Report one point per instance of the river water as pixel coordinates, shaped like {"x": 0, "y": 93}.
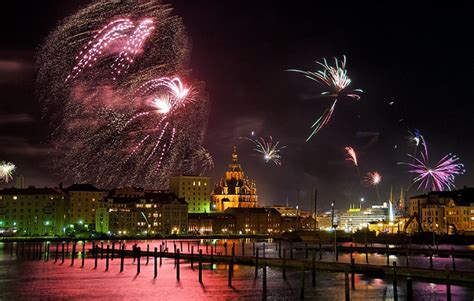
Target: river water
{"x": 40, "y": 280}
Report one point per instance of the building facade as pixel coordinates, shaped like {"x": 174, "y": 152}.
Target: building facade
{"x": 234, "y": 190}
{"x": 33, "y": 211}
{"x": 82, "y": 202}
{"x": 195, "y": 190}
{"x": 211, "y": 223}
{"x": 256, "y": 220}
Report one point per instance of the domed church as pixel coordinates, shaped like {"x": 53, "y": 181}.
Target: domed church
{"x": 234, "y": 190}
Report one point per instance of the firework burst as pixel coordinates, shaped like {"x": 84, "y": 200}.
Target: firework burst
{"x": 269, "y": 150}
{"x": 6, "y": 171}
{"x": 351, "y": 155}
{"x": 373, "y": 179}
{"x": 336, "y": 80}
{"x": 439, "y": 176}
{"x": 114, "y": 83}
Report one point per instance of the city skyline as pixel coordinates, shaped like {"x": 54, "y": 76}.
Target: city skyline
{"x": 271, "y": 102}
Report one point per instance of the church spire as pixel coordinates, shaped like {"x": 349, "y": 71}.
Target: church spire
{"x": 234, "y": 156}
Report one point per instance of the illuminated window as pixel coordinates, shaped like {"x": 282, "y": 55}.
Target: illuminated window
{"x": 15, "y": 197}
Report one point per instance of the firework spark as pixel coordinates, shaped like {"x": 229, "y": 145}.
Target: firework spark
{"x": 352, "y": 155}
{"x": 336, "y": 80}
{"x": 373, "y": 178}
{"x": 6, "y": 171}
{"x": 439, "y": 176}
{"x": 114, "y": 83}
{"x": 415, "y": 137}
{"x": 270, "y": 151}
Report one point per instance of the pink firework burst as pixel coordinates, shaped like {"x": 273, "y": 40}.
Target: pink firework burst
{"x": 122, "y": 36}
{"x": 439, "y": 176}
{"x": 351, "y": 155}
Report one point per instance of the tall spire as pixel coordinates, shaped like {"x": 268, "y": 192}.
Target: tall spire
{"x": 234, "y": 156}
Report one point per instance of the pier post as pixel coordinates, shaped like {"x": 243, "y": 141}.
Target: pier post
{"x": 188, "y": 246}
{"x": 101, "y": 250}
{"x": 40, "y": 253}
{"x": 431, "y": 258}
{"x": 96, "y": 256}
{"x": 192, "y": 257}
{"x": 448, "y": 285}
{"x": 352, "y": 274}
{"x": 253, "y": 248}
{"x": 336, "y": 249}
{"x": 177, "y": 264}
{"x": 264, "y": 284}
{"x": 212, "y": 257}
{"x": 155, "y": 262}
{"x": 139, "y": 253}
{"x": 147, "y": 252}
{"x": 409, "y": 289}
{"x": 161, "y": 255}
{"x": 407, "y": 256}
{"x": 83, "y": 253}
{"x": 279, "y": 249}
{"x": 200, "y": 266}
{"x": 47, "y": 251}
{"x": 62, "y": 253}
{"x": 284, "y": 264}
{"x": 320, "y": 250}
{"x": 291, "y": 249}
{"x": 388, "y": 255}
{"x": 73, "y": 253}
{"x": 112, "y": 255}
{"x": 181, "y": 245}
{"x": 256, "y": 263}
{"x": 225, "y": 248}
{"x": 122, "y": 257}
{"x": 56, "y": 254}
{"x": 350, "y": 250}
{"x": 263, "y": 251}
{"x": 313, "y": 269}
{"x": 243, "y": 247}
{"x": 395, "y": 290}
{"x": 302, "y": 283}
{"x": 107, "y": 258}
{"x": 346, "y": 285}
{"x": 452, "y": 257}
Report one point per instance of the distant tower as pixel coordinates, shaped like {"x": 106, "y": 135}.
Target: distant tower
{"x": 401, "y": 202}
{"x": 20, "y": 182}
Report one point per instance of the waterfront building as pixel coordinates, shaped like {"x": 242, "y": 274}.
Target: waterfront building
{"x": 135, "y": 211}
{"x": 286, "y": 210}
{"x": 442, "y": 212}
{"x": 256, "y": 220}
{"x": 325, "y": 221}
{"x": 211, "y": 223}
{"x": 82, "y": 203}
{"x": 32, "y": 211}
{"x": 235, "y": 190}
{"x": 195, "y": 190}
{"x": 357, "y": 218}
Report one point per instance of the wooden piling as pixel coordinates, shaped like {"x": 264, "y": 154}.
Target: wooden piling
{"x": 192, "y": 257}
{"x": 263, "y": 250}
{"x": 62, "y": 253}
{"x": 387, "y": 253}
{"x": 352, "y": 274}
{"x": 336, "y": 249}
{"x": 409, "y": 289}
{"x": 56, "y": 254}
{"x": 177, "y": 264}
{"x": 302, "y": 283}
{"x": 112, "y": 255}
{"x": 83, "y": 253}
{"x": 122, "y": 257}
{"x": 107, "y": 255}
{"x": 279, "y": 249}
{"x": 147, "y": 252}
{"x": 395, "y": 290}
{"x": 155, "y": 263}
{"x": 48, "y": 245}
{"x": 407, "y": 258}
{"x": 139, "y": 253}
{"x": 313, "y": 269}
{"x": 73, "y": 253}
{"x": 96, "y": 256}
{"x": 200, "y": 266}
{"x": 40, "y": 252}
{"x": 453, "y": 259}
{"x": 101, "y": 250}
{"x": 212, "y": 258}
{"x": 448, "y": 285}
{"x": 253, "y": 249}
{"x": 256, "y": 263}
{"x": 320, "y": 251}
{"x": 346, "y": 285}
{"x": 264, "y": 284}
{"x": 243, "y": 247}
{"x": 161, "y": 255}
{"x": 207, "y": 247}
{"x": 431, "y": 258}
{"x": 284, "y": 264}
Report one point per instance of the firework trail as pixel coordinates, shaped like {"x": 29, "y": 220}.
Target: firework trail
{"x": 6, "y": 171}
{"x": 114, "y": 83}
{"x": 269, "y": 151}
{"x": 437, "y": 177}
{"x": 373, "y": 179}
{"x": 351, "y": 155}
{"x": 336, "y": 80}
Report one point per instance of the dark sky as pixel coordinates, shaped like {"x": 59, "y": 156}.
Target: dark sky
{"x": 417, "y": 55}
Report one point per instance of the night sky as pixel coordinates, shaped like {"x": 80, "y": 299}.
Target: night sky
{"x": 418, "y": 56}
